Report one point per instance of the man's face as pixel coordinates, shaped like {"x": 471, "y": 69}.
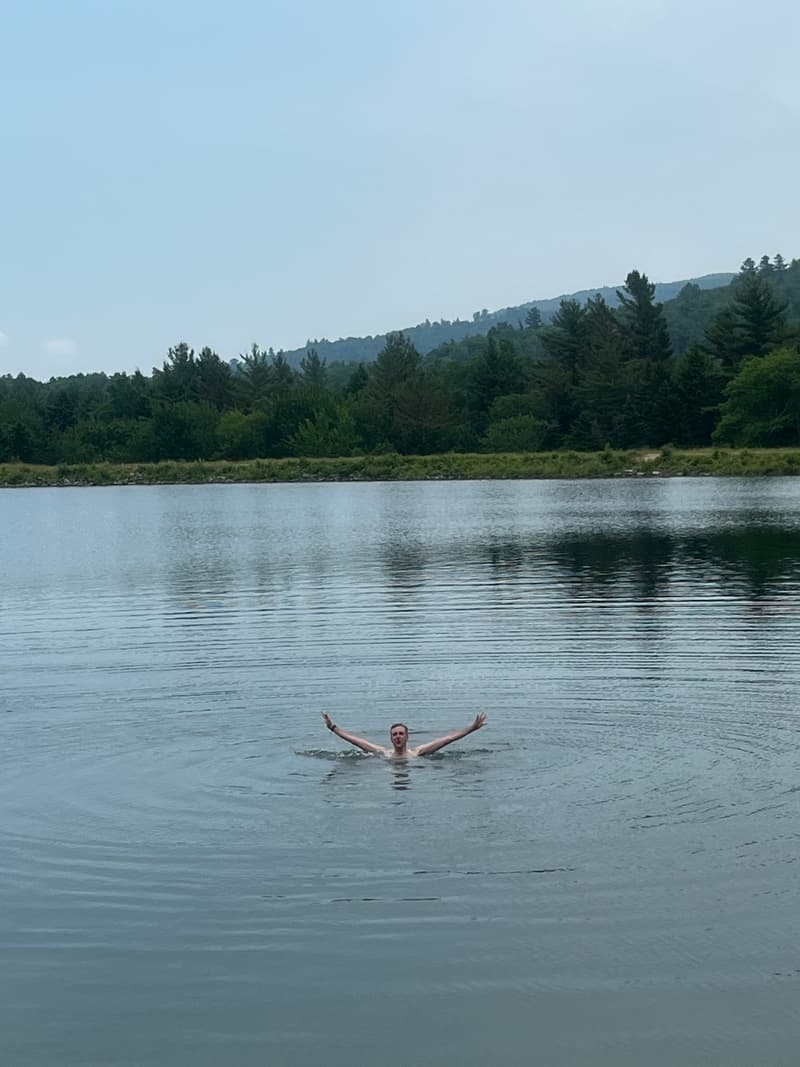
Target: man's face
{"x": 399, "y": 736}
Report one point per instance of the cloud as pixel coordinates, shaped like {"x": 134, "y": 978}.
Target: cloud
{"x": 3, "y": 339}
{"x": 60, "y": 346}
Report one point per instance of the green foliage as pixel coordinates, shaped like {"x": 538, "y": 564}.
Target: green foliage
{"x": 698, "y": 382}
{"x": 184, "y": 430}
{"x": 760, "y": 317}
{"x": 241, "y": 435}
{"x": 327, "y": 435}
{"x": 762, "y": 405}
{"x": 391, "y": 466}
{"x": 643, "y": 322}
{"x": 577, "y": 374}
{"x": 721, "y": 340}
{"x": 518, "y": 433}
{"x": 495, "y": 372}
{"x": 313, "y": 370}
{"x": 255, "y": 374}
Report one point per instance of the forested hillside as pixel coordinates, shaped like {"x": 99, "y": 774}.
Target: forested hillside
{"x": 711, "y": 365}
{"x": 426, "y": 336}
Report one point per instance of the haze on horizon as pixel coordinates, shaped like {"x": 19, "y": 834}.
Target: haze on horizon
{"x": 247, "y": 171}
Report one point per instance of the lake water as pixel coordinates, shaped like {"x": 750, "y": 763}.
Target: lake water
{"x": 194, "y": 872}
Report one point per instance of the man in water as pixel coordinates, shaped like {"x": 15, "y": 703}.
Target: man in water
{"x": 398, "y": 733}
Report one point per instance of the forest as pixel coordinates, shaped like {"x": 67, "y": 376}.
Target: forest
{"x": 714, "y": 366}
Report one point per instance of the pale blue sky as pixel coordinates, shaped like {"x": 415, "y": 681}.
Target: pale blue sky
{"x": 233, "y": 172}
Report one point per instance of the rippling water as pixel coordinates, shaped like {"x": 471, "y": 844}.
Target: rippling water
{"x": 195, "y": 872}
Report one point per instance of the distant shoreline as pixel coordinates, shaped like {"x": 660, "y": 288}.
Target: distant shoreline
{"x": 452, "y": 466}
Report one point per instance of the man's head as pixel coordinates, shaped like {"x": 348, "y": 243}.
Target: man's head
{"x": 398, "y": 732}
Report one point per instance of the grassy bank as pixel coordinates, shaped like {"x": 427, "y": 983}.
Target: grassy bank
{"x": 392, "y": 467}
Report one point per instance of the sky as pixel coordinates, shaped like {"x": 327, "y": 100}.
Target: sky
{"x": 265, "y": 171}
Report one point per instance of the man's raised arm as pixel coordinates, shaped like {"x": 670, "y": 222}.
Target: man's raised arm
{"x": 440, "y": 742}
{"x": 359, "y": 742}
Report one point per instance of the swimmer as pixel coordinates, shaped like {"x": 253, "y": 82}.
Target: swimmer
{"x": 398, "y": 733}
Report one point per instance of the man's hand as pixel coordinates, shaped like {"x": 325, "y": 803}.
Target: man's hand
{"x": 440, "y": 742}
{"x": 359, "y": 742}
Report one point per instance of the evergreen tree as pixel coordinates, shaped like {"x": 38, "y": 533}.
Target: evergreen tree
{"x": 255, "y": 368}
{"x": 129, "y": 396}
{"x": 282, "y": 374}
{"x": 393, "y": 378}
{"x": 721, "y": 339}
{"x": 760, "y": 318}
{"x": 495, "y": 372}
{"x": 698, "y": 383}
{"x": 533, "y": 319}
{"x": 177, "y": 378}
{"x": 601, "y": 327}
{"x": 565, "y": 343}
{"x": 601, "y": 392}
{"x": 422, "y": 421}
{"x": 565, "y": 340}
{"x": 313, "y": 370}
{"x": 358, "y": 380}
{"x": 397, "y": 362}
{"x": 22, "y": 443}
{"x": 184, "y": 430}
{"x": 60, "y": 409}
{"x": 649, "y": 409}
{"x": 213, "y": 380}
{"x": 643, "y": 322}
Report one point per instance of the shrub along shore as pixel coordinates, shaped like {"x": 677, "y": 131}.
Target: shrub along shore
{"x": 666, "y": 462}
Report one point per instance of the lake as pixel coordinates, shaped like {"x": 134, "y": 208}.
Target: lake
{"x": 195, "y": 871}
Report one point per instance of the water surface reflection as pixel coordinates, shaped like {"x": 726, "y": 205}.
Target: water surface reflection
{"x": 195, "y": 870}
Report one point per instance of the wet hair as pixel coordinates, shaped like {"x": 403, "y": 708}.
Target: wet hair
{"x": 396, "y": 724}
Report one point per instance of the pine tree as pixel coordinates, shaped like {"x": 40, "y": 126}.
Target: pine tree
{"x": 397, "y": 362}
{"x": 760, "y": 317}
{"x": 255, "y": 370}
{"x": 650, "y": 402}
{"x": 643, "y": 321}
{"x": 601, "y": 327}
{"x": 214, "y": 381}
{"x": 177, "y": 379}
{"x": 722, "y": 340}
{"x": 282, "y": 374}
{"x": 565, "y": 340}
{"x": 313, "y": 370}
{"x": 533, "y": 319}
{"x": 600, "y": 393}
{"x": 698, "y": 383}
{"x": 358, "y": 380}
{"x": 495, "y": 372}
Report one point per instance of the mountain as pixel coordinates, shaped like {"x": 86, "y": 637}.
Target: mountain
{"x": 429, "y": 335}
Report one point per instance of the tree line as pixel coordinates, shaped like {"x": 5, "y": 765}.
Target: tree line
{"x": 719, "y": 366}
